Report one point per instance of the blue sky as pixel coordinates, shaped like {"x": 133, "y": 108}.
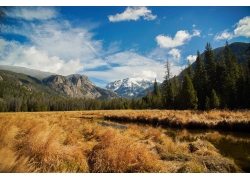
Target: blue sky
{"x": 109, "y": 43}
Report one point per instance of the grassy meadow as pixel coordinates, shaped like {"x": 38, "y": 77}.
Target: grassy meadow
{"x": 83, "y": 142}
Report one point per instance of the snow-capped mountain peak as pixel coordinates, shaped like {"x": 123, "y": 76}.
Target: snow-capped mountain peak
{"x": 114, "y": 85}
{"x": 130, "y": 87}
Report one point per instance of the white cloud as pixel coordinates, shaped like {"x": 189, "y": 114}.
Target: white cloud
{"x": 175, "y": 53}
{"x": 54, "y": 46}
{"x": 129, "y": 58}
{"x": 133, "y": 13}
{"x": 223, "y": 35}
{"x": 32, "y": 13}
{"x": 243, "y": 27}
{"x": 147, "y": 74}
{"x": 191, "y": 58}
{"x": 73, "y": 46}
{"x": 13, "y": 53}
{"x": 196, "y": 32}
{"x": 180, "y": 38}
{"x": 66, "y": 42}
{"x": 121, "y": 72}
{"x": 131, "y": 64}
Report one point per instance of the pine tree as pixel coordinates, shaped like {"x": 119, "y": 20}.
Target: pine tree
{"x": 170, "y": 97}
{"x": 200, "y": 81}
{"x": 207, "y": 103}
{"x": 189, "y": 99}
{"x": 220, "y": 84}
{"x": 210, "y": 67}
{"x": 156, "y": 91}
{"x": 214, "y": 100}
{"x": 190, "y": 70}
{"x": 231, "y": 78}
{"x": 166, "y": 85}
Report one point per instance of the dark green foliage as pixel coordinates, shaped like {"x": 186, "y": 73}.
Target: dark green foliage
{"x": 188, "y": 95}
{"x": 213, "y": 102}
{"x": 190, "y": 70}
{"x": 200, "y": 81}
{"x": 210, "y": 67}
{"x": 217, "y": 84}
{"x": 156, "y": 90}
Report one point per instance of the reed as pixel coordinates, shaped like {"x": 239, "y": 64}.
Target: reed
{"x": 215, "y": 119}
{"x": 74, "y": 141}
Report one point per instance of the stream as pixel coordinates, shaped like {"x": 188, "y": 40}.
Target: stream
{"x": 234, "y": 145}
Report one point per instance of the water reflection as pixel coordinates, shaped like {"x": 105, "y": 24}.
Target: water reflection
{"x": 234, "y": 145}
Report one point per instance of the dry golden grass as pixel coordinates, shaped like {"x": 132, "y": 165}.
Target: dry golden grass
{"x": 76, "y": 142}
{"x": 215, "y": 119}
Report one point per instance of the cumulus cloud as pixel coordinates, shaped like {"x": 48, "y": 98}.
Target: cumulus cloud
{"x": 53, "y": 46}
{"x": 191, "y": 58}
{"x": 196, "y": 32}
{"x": 32, "y": 13}
{"x": 175, "y": 53}
{"x": 128, "y": 64}
{"x": 223, "y": 35}
{"x": 133, "y": 13}
{"x": 243, "y": 27}
{"x": 147, "y": 74}
{"x": 13, "y": 53}
{"x": 180, "y": 38}
{"x": 129, "y": 58}
{"x": 121, "y": 72}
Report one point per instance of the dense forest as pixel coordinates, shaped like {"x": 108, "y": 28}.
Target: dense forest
{"x": 220, "y": 82}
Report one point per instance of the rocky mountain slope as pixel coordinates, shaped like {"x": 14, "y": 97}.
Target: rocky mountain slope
{"x": 130, "y": 87}
{"x": 72, "y": 86}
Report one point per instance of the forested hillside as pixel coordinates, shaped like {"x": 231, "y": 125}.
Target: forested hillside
{"x": 216, "y": 82}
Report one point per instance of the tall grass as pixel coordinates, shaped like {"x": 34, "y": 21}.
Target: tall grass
{"x": 215, "y": 119}
{"x": 76, "y": 142}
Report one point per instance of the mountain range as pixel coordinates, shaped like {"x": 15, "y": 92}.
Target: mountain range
{"x": 131, "y": 87}
{"x": 79, "y": 86}
{"x": 72, "y": 86}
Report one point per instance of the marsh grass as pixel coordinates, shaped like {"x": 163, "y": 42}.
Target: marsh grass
{"x": 75, "y": 142}
{"x": 214, "y": 119}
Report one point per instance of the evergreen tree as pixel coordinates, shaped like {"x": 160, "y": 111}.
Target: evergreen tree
{"x": 214, "y": 100}
{"x": 190, "y": 70}
{"x": 207, "y": 103}
{"x": 176, "y": 90}
{"x": 220, "y": 84}
{"x": 170, "y": 97}
{"x": 24, "y": 107}
{"x": 188, "y": 95}
{"x": 231, "y": 78}
{"x": 210, "y": 67}
{"x": 156, "y": 91}
{"x": 200, "y": 81}
{"x": 166, "y": 85}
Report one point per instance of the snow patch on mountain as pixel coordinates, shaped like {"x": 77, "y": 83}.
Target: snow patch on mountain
{"x": 130, "y": 87}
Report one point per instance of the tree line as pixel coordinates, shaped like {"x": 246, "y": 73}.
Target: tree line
{"x": 214, "y": 83}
